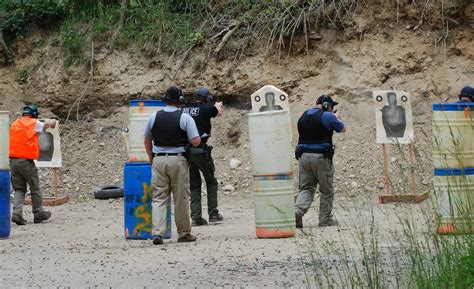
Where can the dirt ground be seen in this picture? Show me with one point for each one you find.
(83, 245)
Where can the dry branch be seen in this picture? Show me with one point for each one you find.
(123, 17)
(227, 36)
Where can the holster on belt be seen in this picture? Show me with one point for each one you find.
(187, 152)
(298, 152)
(328, 154)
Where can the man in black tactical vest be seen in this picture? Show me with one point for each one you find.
(314, 153)
(201, 159)
(167, 136)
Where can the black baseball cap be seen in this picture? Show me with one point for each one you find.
(467, 91)
(326, 98)
(202, 92)
(173, 92)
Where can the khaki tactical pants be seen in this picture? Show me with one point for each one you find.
(170, 174)
(24, 172)
(315, 170)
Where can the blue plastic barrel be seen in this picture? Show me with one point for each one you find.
(4, 203)
(137, 202)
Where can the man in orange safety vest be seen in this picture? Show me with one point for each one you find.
(24, 148)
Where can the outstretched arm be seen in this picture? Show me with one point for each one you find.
(49, 123)
(220, 108)
(339, 126)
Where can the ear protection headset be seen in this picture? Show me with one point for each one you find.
(209, 98)
(325, 102)
(204, 95)
(176, 95)
(32, 110)
(179, 99)
(468, 92)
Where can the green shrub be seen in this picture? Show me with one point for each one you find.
(22, 15)
(23, 74)
(72, 41)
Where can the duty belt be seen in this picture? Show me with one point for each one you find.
(168, 154)
(315, 151)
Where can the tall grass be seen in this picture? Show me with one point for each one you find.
(397, 246)
(368, 254)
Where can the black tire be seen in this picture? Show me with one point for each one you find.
(108, 192)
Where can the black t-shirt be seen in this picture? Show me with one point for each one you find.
(202, 114)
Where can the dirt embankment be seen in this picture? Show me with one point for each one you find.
(375, 52)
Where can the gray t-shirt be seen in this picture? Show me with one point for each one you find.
(186, 122)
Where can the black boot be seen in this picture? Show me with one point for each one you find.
(17, 219)
(216, 218)
(199, 222)
(41, 216)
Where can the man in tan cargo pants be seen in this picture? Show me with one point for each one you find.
(314, 153)
(167, 135)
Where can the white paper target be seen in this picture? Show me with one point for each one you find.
(50, 148)
(393, 117)
(269, 98)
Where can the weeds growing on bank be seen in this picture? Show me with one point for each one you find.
(226, 29)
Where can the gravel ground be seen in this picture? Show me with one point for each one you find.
(82, 245)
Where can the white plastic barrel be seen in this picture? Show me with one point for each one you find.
(270, 142)
(454, 194)
(453, 135)
(140, 112)
(4, 140)
(274, 206)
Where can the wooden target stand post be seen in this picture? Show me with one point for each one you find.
(394, 123)
(389, 196)
(56, 199)
(50, 157)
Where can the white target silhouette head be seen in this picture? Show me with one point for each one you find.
(269, 98)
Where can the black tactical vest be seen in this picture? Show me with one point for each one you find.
(201, 113)
(312, 130)
(166, 130)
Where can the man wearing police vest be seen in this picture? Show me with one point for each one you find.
(24, 148)
(201, 159)
(167, 136)
(314, 153)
